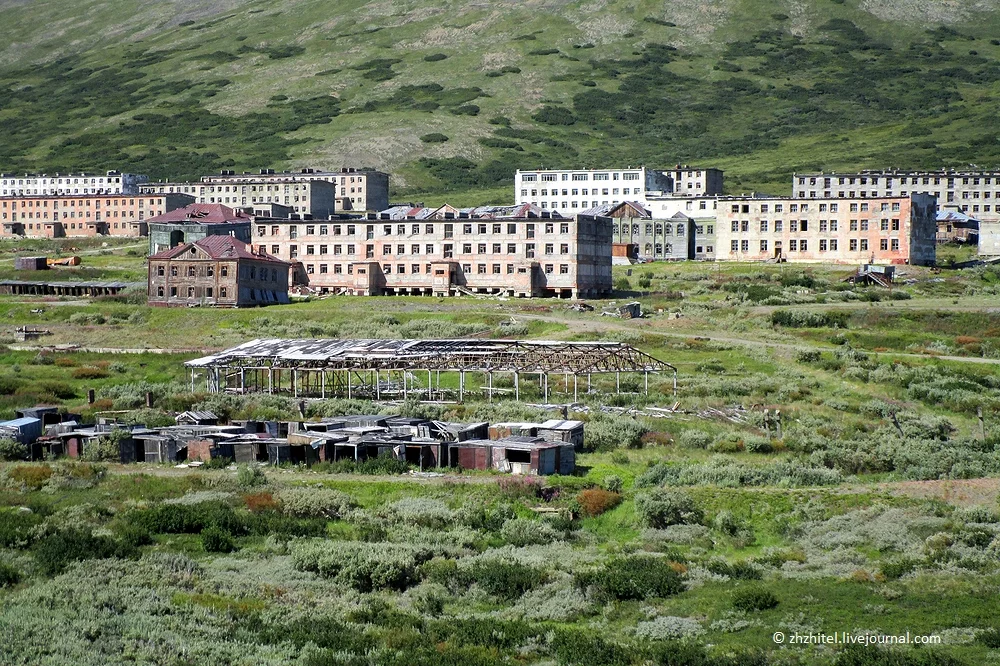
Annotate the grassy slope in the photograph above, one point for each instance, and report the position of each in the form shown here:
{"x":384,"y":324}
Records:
{"x":236,"y":57}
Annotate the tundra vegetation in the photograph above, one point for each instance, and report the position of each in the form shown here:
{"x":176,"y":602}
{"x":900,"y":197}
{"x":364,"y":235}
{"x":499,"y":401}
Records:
{"x":689,"y":538}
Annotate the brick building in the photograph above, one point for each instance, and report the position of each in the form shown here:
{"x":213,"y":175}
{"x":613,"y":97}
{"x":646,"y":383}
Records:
{"x":513,"y":250}
{"x":974,"y":192}
{"x":84,"y":215}
{"x":194,"y":222}
{"x":887,"y":230}
{"x":219,"y":271}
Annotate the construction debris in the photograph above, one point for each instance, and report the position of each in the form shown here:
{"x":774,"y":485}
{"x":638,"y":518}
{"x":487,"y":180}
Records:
{"x":870,"y":274}
{"x":631,"y":310}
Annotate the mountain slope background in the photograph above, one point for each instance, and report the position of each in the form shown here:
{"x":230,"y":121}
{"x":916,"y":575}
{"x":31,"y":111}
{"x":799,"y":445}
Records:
{"x":451,"y":97}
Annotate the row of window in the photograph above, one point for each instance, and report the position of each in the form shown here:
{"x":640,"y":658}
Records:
{"x":416,"y":269}
{"x":81,"y":203}
{"x":795,"y":226}
{"x":661,"y":229}
{"x":59,"y":181}
{"x":855,"y":207}
{"x":191,"y":292}
{"x":249,"y":272}
{"x":72,"y":214}
{"x":913,"y":180}
{"x":469,"y":229}
{"x":825,"y":245}
{"x":553,"y":177}
{"x":415,"y":249}
{"x":575,"y":192}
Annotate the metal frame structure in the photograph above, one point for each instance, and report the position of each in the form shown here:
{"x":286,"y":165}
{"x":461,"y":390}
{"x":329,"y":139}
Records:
{"x":354,"y":368}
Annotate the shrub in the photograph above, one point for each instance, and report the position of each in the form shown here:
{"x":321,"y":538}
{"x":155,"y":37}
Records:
{"x":613,"y":483}
{"x":503,"y":579}
{"x":216,"y":540}
{"x":11,"y":449}
{"x":695,"y":439}
{"x":749,"y":599}
{"x":434,"y":137}
{"x":595,"y":501}
{"x":9,"y":576}
{"x":363,"y":566}
{"x":260,"y":502}
{"x":421,"y":511}
{"x":613,"y":432}
{"x":659,"y":508}
{"x":384,"y":464}
{"x":736,"y":570}
{"x":54,"y":552}
{"x":17,"y":528}
{"x":668,"y":628}
{"x":134,"y":535}
{"x":315,"y":502}
{"x":526,"y":532}
{"x":90,"y":373}
{"x":633,"y":577}
{"x":32,"y":477}
{"x":435,"y":57}
{"x":554,"y":115}
{"x":250,"y":476}
{"x":519,"y":486}
{"x":188,"y":518}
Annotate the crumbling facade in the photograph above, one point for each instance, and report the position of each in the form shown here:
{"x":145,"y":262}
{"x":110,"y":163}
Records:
{"x":887,"y":230}
{"x":84,"y":215}
{"x":518,"y":251}
{"x":218,"y":271}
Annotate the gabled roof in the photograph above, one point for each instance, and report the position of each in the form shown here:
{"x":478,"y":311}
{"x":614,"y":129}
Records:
{"x":202,"y":214}
{"x":955,"y":217}
{"x":218,"y":247}
{"x":621,"y":209}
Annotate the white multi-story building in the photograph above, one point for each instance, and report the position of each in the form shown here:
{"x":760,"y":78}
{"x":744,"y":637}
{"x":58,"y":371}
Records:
{"x":112,"y":182}
{"x":975,"y":193}
{"x":573,"y":190}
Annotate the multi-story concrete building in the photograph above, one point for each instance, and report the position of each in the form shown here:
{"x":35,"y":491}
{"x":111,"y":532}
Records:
{"x":194,"y":222}
{"x":84,"y":215}
{"x":218,"y":271}
{"x":676,"y":238}
{"x":887,"y":230}
{"x":513,"y":250}
{"x":976,"y":193}
{"x":112,"y":182}
{"x":357,"y":189}
{"x":305,"y":197}
{"x":306,"y":192}
{"x":573,"y":190}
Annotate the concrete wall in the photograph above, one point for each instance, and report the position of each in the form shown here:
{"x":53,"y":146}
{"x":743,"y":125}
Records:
{"x":218,"y":283}
{"x":57,"y":217}
{"x":895,"y":230}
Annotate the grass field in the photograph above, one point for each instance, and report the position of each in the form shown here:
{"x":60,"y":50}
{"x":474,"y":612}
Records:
{"x":696,"y":537}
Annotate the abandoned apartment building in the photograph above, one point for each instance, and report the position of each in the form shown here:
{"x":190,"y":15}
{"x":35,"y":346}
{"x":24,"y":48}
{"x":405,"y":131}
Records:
{"x":886,"y":230}
{"x":83,"y":215}
{"x":307,"y":192}
{"x":543,"y":448}
{"x":675,"y":238}
{"x":519,"y":251}
{"x":220,"y":271}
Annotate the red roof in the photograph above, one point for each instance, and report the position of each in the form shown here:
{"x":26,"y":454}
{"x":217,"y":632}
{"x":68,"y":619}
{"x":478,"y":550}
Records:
{"x":218,"y":247}
{"x":202,"y":214}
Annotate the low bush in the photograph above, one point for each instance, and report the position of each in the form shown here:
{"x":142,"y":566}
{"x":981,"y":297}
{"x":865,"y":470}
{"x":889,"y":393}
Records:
{"x":363,"y":566}
{"x":188,"y":518}
{"x":31,"y":477}
{"x":11,"y":449}
{"x":750,"y":599}
{"x":90,"y":373}
{"x":633,"y":577}
{"x":502,"y":578}
{"x":595,"y":501}
{"x":17,"y":528}
{"x":314,"y":502}
{"x":56,"y":551}
{"x":260,"y":502}
{"x":736,"y":570}
{"x":612,"y":432}
{"x":527,"y":532}
{"x":216,"y":540}
{"x":250,"y":476}
{"x":660,"y":508}
{"x":434,"y":137}
{"x":9,"y":575}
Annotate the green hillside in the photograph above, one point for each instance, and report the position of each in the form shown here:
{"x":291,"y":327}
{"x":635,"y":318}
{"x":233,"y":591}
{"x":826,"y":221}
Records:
{"x":758,"y":87}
